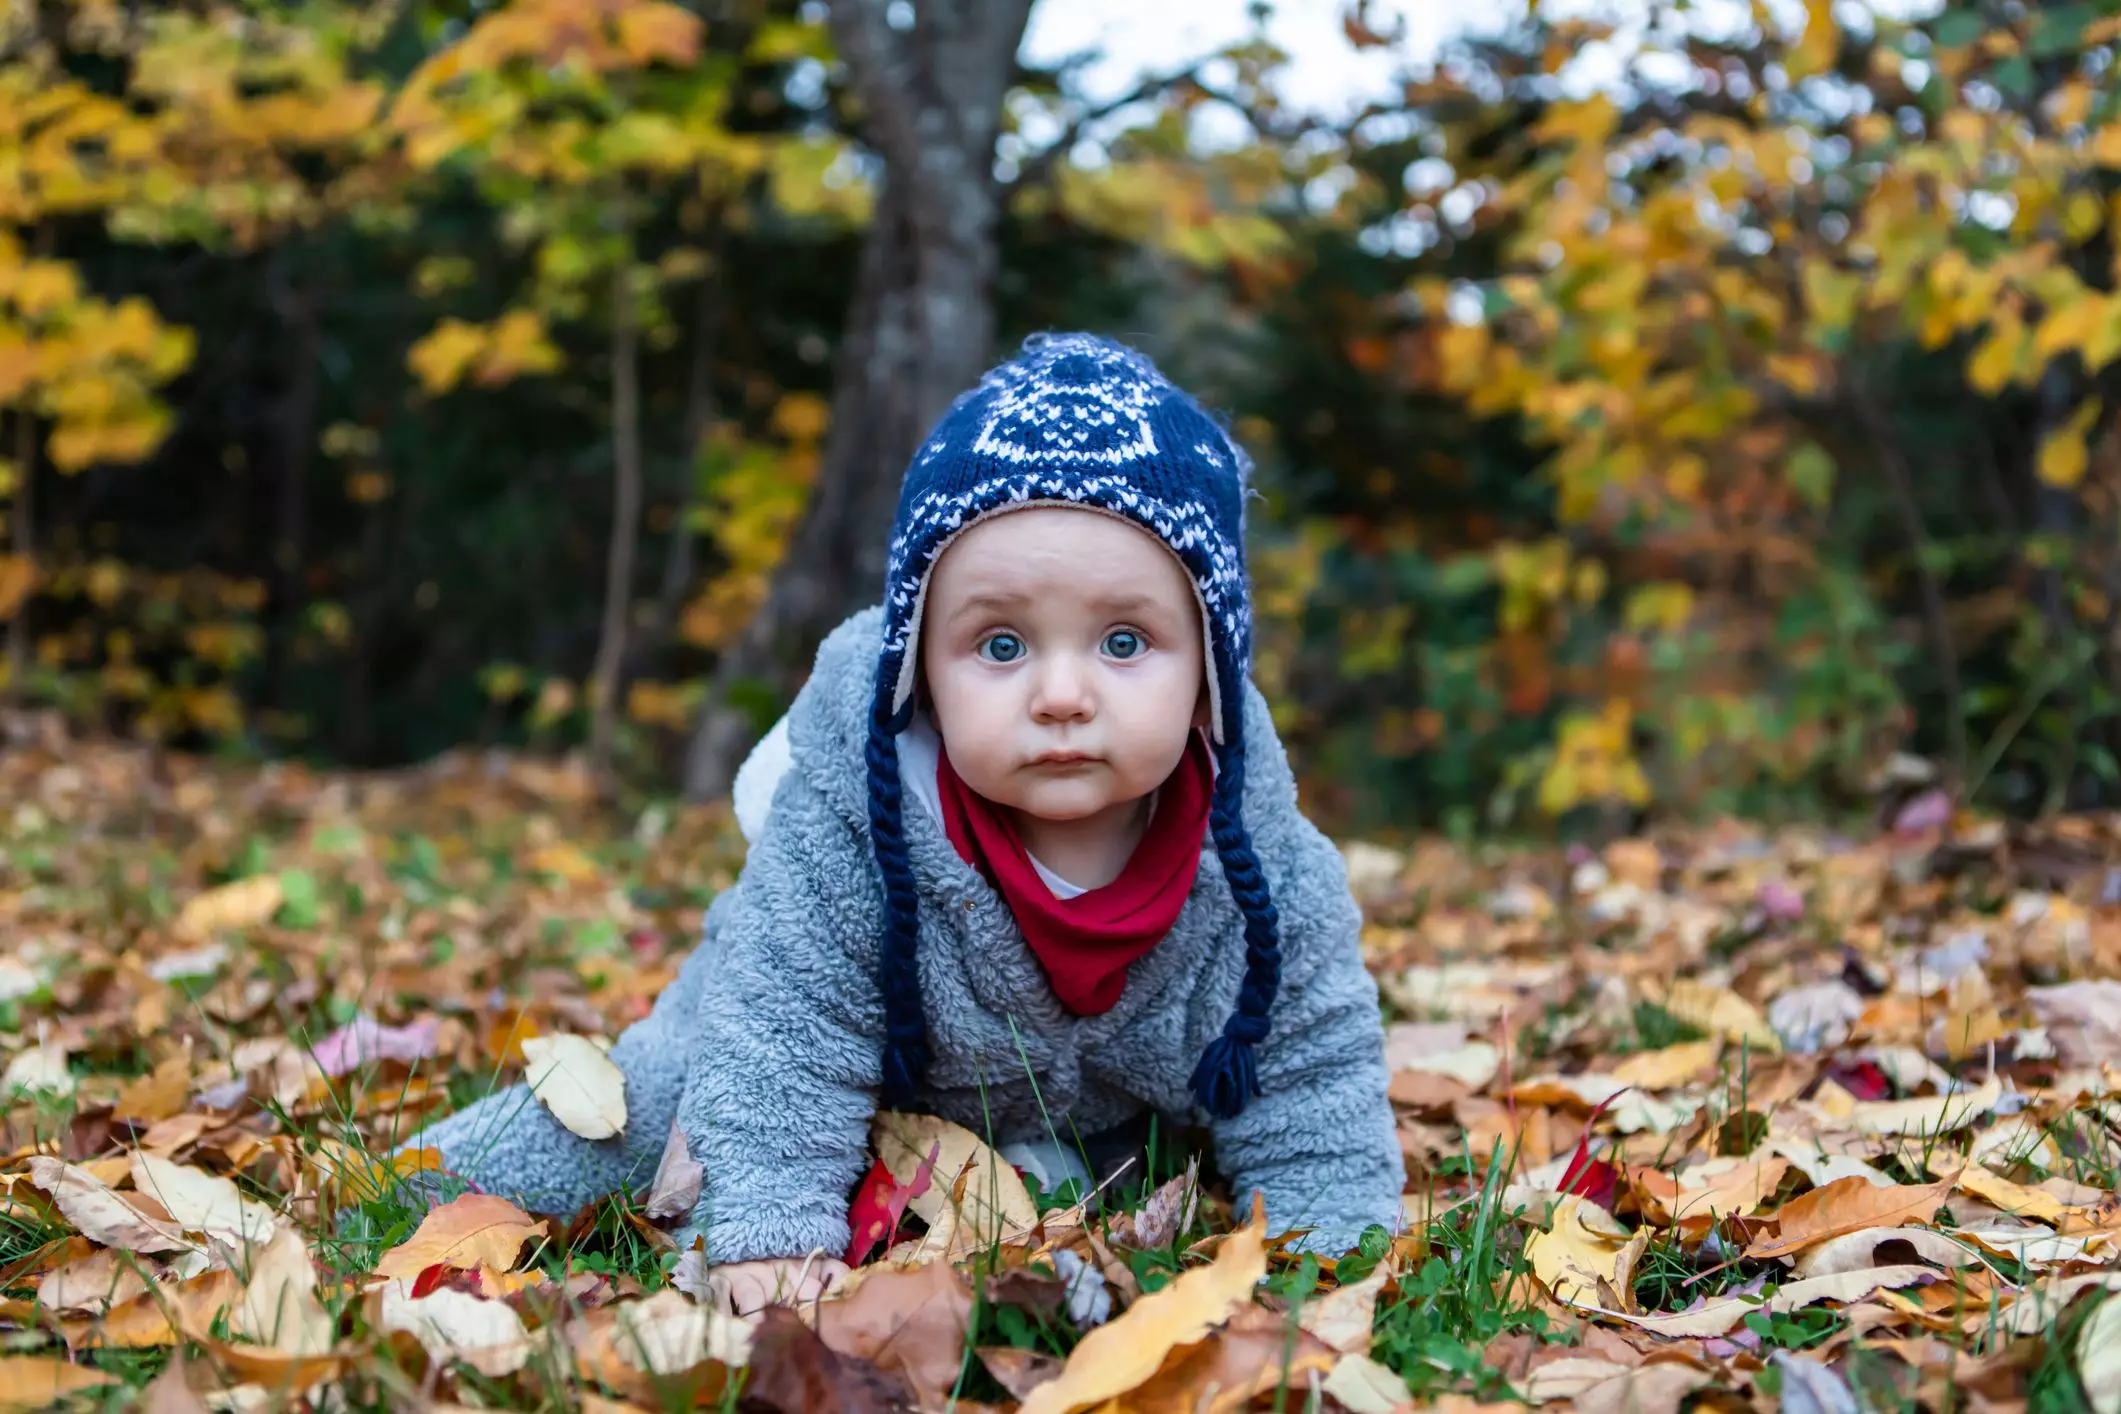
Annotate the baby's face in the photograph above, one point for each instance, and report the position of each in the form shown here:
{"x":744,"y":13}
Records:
{"x":1062,"y":650}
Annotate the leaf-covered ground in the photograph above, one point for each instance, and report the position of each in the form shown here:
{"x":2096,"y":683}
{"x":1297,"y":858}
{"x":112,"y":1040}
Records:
{"x":1718,"y":1118}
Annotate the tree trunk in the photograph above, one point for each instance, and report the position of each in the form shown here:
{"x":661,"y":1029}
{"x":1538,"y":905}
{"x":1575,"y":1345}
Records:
{"x":22,"y":510}
{"x":294,"y":436}
{"x":920,"y":331}
{"x":625,"y":525}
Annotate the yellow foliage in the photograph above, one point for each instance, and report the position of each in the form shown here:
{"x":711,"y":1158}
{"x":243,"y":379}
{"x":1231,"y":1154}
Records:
{"x":2063,"y":455}
{"x":1594,"y":760}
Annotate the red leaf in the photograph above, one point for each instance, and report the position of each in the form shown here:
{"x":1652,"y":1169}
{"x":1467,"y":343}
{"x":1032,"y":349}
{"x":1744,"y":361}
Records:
{"x":1594,"y":1180}
{"x":429,"y":1279}
{"x":880,"y":1206}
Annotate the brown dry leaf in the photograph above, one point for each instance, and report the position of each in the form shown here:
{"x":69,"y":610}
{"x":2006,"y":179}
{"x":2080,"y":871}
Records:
{"x":1717,"y":1011}
{"x":455,"y":1325}
{"x":1343,"y":1317}
{"x":668,"y":1334}
{"x":677,"y":1179}
{"x":1584,"y":1246}
{"x":101,"y":1215}
{"x":96,"y":1283}
{"x":573,"y":1078}
{"x":157,"y":1095}
{"x":1659,"y":1388}
{"x":1924,"y":1118}
{"x":1721,"y":1316}
{"x":1253,"y":1354}
{"x":243,"y":904}
{"x":279,"y":1307}
{"x":2082,"y":1019}
{"x":979,"y":1190}
{"x":2012,"y":1198}
{"x":1856,"y":1251}
{"x":1671,"y":1067}
{"x":1848,"y":1205}
{"x":1710,"y":1190}
{"x":464,"y":1233}
{"x":40,"y":1381}
{"x":170,"y":1392}
{"x":198,"y":1201}
{"x":1120,"y":1355}
{"x":1362,"y":1386}
{"x":909,"y":1323}
{"x":1019,"y":1371}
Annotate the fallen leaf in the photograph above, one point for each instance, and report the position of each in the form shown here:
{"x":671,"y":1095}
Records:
{"x":40,"y":1382}
{"x":1856,"y":1251}
{"x":1925,"y":1118}
{"x":792,"y":1371}
{"x":909,"y":1323}
{"x":39,"y":1067}
{"x":476,"y":1229}
{"x":2099,"y":1358}
{"x":1020,"y":1371}
{"x":977,"y":1187}
{"x":1343,"y":1318}
{"x":1717,"y":1011}
{"x":1362,"y":1386}
{"x":455,"y":1325}
{"x":157,"y":1095}
{"x":243,"y":904}
{"x":1170,"y":1210}
{"x":1122,"y":1354}
{"x":198,"y":1201}
{"x":2082,"y":1019}
{"x":364,"y":1040}
{"x":1848,"y":1205}
{"x":1669,"y":1068}
{"x":1253,"y":1354}
{"x":1809,"y":1387}
{"x":667,"y":1334}
{"x":103,"y":1216}
{"x":2012,"y":1198}
{"x":678,"y":1175}
{"x":1583,"y":1246}
{"x":170,"y":1392}
{"x":574,"y":1079}
{"x":279,"y":1307}
{"x":1721,"y":1316}
{"x":1710,"y":1190}
{"x":96,"y":1283}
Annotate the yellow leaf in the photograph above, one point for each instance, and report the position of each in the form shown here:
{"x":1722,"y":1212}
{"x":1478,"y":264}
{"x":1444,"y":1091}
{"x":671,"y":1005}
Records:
{"x":279,"y":1308}
{"x":2106,"y":146}
{"x":1669,"y":1068}
{"x":1816,"y":51}
{"x":1121,"y":1355}
{"x":2013,"y":1198}
{"x":244,"y":904}
{"x":2063,"y":455}
{"x":441,"y":359}
{"x":1583,"y":1247}
{"x":44,"y":1381}
{"x":1719,"y":1011}
{"x":974,"y":1192}
{"x":1993,"y":364}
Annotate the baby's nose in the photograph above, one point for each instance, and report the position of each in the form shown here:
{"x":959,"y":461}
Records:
{"x":1063,"y":688}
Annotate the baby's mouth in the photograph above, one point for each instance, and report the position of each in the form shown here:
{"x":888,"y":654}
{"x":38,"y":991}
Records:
{"x":1063,"y":760}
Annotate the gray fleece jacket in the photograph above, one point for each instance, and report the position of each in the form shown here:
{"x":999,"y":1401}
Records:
{"x":767,"y":1047}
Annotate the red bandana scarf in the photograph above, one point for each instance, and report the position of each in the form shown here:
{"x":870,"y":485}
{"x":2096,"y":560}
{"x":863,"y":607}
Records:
{"x":1086,"y":943}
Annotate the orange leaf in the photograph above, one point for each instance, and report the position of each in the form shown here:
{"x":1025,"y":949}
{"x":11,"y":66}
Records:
{"x":1848,"y":1205}
{"x":476,"y":1228}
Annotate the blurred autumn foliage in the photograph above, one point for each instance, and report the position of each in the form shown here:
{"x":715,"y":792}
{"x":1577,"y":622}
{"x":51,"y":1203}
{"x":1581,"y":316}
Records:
{"x":1703,"y":414}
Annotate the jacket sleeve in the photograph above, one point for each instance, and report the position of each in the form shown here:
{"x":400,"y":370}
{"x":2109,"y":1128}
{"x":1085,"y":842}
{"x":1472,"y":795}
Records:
{"x":1319,"y":1141}
{"x":785,"y":1056}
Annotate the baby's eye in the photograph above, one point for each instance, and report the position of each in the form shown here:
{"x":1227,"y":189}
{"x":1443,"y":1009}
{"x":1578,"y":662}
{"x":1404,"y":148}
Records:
{"x":1002,"y":648}
{"x":1124,"y":643}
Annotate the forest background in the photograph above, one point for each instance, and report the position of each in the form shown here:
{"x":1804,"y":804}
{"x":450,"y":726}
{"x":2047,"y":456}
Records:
{"x":1718,"y":433}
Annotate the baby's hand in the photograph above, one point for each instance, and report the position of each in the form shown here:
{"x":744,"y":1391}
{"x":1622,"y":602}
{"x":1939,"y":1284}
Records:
{"x":771,"y":1281}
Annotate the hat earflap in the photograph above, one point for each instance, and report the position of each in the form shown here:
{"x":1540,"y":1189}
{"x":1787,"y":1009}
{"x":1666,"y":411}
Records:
{"x":898,"y":969}
{"x":1228,"y":1075}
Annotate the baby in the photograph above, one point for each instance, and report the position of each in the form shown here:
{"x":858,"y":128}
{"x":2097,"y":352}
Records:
{"x":1033,"y":862}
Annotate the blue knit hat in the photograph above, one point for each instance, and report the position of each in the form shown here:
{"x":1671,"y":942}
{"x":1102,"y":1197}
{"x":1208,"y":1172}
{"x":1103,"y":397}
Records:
{"x":1075,"y":420}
